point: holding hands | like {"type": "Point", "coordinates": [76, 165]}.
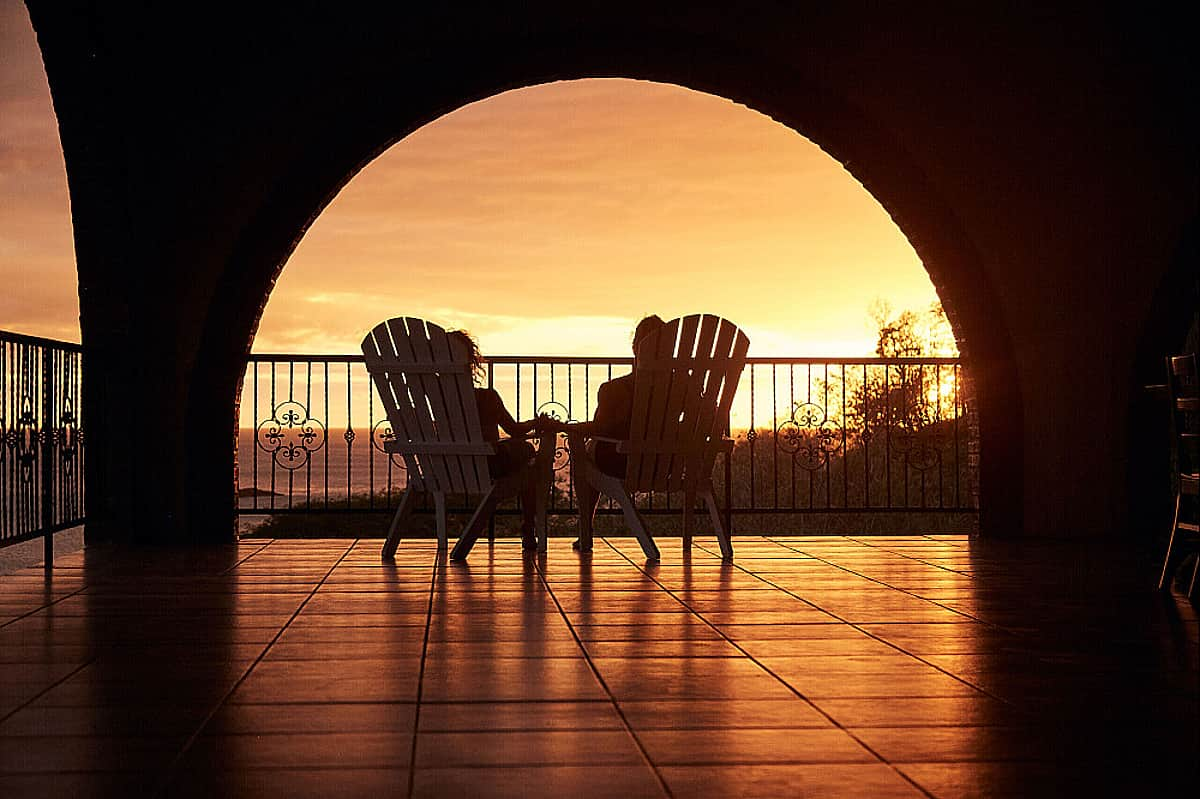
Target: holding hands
{"type": "Point", "coordinates": [545, 423]}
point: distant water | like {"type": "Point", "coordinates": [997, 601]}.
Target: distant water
{"type": "Point", "coordinates": [336, 469]}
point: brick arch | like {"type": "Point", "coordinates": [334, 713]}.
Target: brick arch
{"type": "Point", "coordinates": [370, 123]}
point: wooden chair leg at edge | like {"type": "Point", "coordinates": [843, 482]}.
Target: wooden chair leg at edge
{"type": "Point", "coordinates": [474, 527]}
{"type": "Point", "coordinates": [540, 527]}
{"type": "Point", "coordinates": [614, 488]}
{"type": "Point", "coordinates": [439, 504]}
{"type": "Point", "coordinates": [718, 526]}
{"type": "Point", "coordinates": [393, 537]}
{"type": "Point", "coordinates": [1195, 573]}
{"type": "Point", "coordinates": [587, 497]}
{"type": "Point", "coordinates": [543, 481]}
{"type": "Point", "coordinates": [1165, 576]}
{"type": "Point", "coordinates": [689, 505]}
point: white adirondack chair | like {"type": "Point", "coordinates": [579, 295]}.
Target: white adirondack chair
{"type": "Point", "coordinates": [685, 376]}
{"type": "Point", "coordinates": [424, 381]}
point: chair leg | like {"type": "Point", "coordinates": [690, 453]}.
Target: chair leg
{"type": "Point", "coordinates": [393, 537]}
{"type": "Point", "coordinates": [475, 526]}
{"type": "Point", "coordinates": [718, 526]}
{"type": "Point", "coordinates": [541, 489]}
{"type": "Point", "coordinates": [1165, 576]}
{"type": "Point", "coordinates": [689, 504]}
{"type": "Point", "coordinates": [1195, 572]}
{"type": "Point", "coordinates": [588, 500]}
{"type": "Point", "coordinates": [633, 518]}
{"type": "Point", "coordinates": [543, 481]}
{"type": "Point", "coordinates": [439, 505]}
{"type": "Point", "coordinates": [587, 497]}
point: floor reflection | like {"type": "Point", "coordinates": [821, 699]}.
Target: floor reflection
{"type": "Point", "coordinates": [886, 666]}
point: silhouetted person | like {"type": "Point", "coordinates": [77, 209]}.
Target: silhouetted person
{"type": "Point", "coordinates": [614, 409]}
{"type": "Point", "coordinates": [513, 453]}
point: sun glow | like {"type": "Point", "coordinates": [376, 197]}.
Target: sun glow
{"type": "Point", "coordinates": [548, 220]}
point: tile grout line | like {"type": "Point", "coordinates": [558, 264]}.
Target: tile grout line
{"type": "Point", "coordinates": [862, 541]}
{"type": "Point", "coordinates": [758, 663]}
{"type": "Point", "coordinates": [47, 689]}
{"type": "Point", "coordinates": [662, 783]}
{"type": "Point", "coordinates": [868, 633]}
{"type": "Point", "coordinates": [89, 661]}
{"type": "Point", "coordinates": [169, 772]}
{"type": "Point", "coordinates": [39, 609]}
{"type": "Point", "coordinates": [889, 586]}
{"type": "Point", "coordinates": [412, 754]}
{"type": "Point", "coordinates": [252, 554]}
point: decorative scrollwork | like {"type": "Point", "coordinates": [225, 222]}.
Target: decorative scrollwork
{"type": "Point", "coordinates": [809, 436]}
{"type": "Point", "coordinates": [381, 434]}
{"type": "Point", "coordinates": [68, 437]}
{"type": "Point", "coordinates": [290, 436]}
{"type": "Point", "coordinates": [559, 413]}
{"type": "Point", "coordinates": [555, 410]}
{"type": "Point", "coordinates": [28, 437]}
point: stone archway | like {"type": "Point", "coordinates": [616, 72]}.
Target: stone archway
{"type": "Point", "coordinates": [866, 148]}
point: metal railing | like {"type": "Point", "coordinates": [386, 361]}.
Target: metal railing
{"type": "Point", "coordinates": [856, 436]}
{"type": "Point", "coordinates": [41, 439]}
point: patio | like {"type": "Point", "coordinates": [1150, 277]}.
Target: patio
{"type": "Point", "coordinates": [908, 666]}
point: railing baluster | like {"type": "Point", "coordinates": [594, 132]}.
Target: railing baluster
{"type": "Point", "coordinates": [914, 428]}
{"type": "Point", "coordinates": [41, 454]}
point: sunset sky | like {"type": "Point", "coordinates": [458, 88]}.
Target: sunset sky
{"type": "Point", "coordinates": [545, 220]}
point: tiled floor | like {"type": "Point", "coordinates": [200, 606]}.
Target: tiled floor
{"type": "Point", "coordinates": [916, 666]}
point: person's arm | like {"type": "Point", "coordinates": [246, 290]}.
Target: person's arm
{"type": "Point", "coordinates": [601, 423]}
{"type": "Point", "coordinates": [507, 423]}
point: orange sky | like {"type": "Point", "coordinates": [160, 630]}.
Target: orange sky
{"type": "Point", "coordinates": [545, 220]}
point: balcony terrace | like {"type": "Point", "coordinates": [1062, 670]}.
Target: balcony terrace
{"type": "Point", "coordinates": [887, 666]}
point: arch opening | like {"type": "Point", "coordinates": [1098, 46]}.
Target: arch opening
{"type": "Point", "coordinates": [488, 227]}
{"type": "Point", "coordinates": [37, 252]}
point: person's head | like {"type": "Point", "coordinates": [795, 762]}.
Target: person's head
{"type": "Point", "coordinates": [474, 357]}
{"type": "Point", "coordinates": [648, 326]}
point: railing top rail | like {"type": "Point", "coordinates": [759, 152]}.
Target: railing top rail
{"type": "Point", "coordinates": [21, 338]}
{"type": "Point", "coordinates": [258, 357]}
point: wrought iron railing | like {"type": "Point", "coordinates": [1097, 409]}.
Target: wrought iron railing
{"type": "Point", "coordinates": [41, 438]}
{"type": "Point", "coordinates": [814, 436]}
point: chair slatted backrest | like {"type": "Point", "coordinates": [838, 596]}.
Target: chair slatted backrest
{"type": "Point", "coordinates": [1183, 388]}
{"type": "Point", "coordinates": [424, 382]}
{"type": "Point", "coordinates": [685, 376]}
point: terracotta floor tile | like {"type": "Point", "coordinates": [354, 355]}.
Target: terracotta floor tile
{"type": "Point", "coordinates": [664, 714]}
{"type": "Point", "coordinates": [943, 711]}
{"type": "Point", "coordinates": [762, 781]}
{"type": "Point", "coordinates": [78, 785]}
{"type": "Point", "coordinates": [558, 747]}
{"type": "Point", "coordinates": [631, 781]}
{"type": "Point", "coordinates": [510, 679]}
{"type": "Point", "coordinates": [685, 678]}
{"type": "Point", "coordinates": [294, 783]}
{"type": "Point", "coordinates": [381, 750]}
{"type": "Point", "coordinates": [712, 746]}
{"type": "Point", "coordinates": [525, 716]}
{"type": "Point", "coordinates": [354, 717]}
